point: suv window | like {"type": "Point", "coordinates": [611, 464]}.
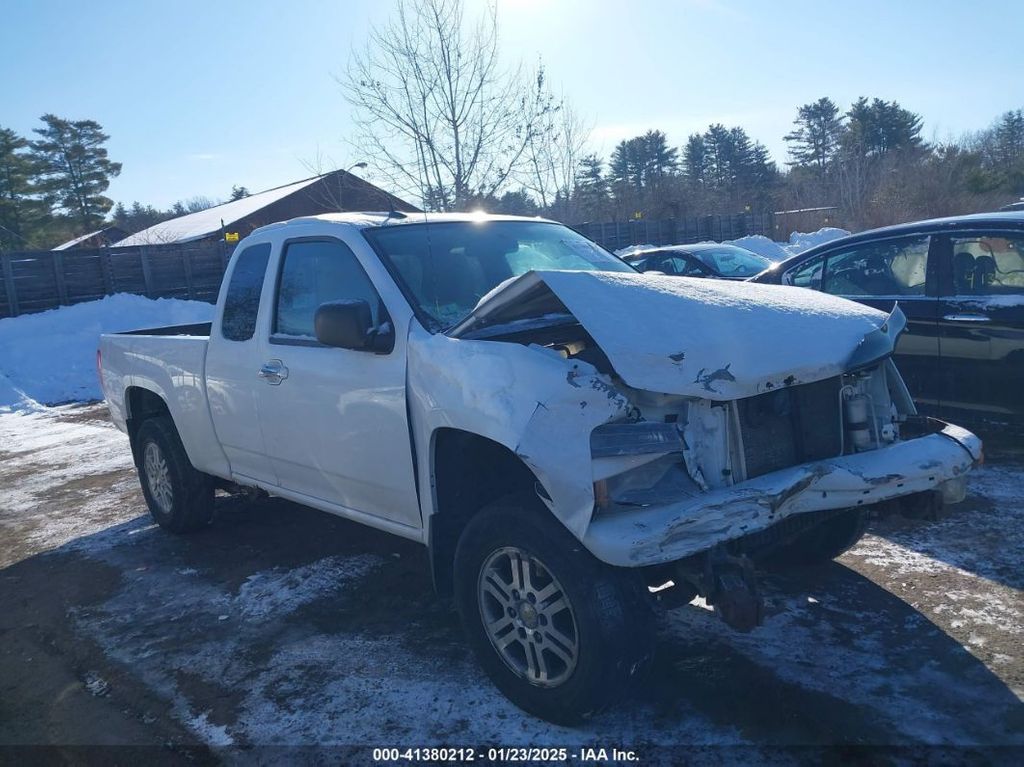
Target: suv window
{"type": "Point", "coordinates": [314, 272]}
{"type": "Point", "coordinates": [883, 268]}
{"type": "Point", "coordinates": [988, 265]}
{"type": "Point", "coordinates": [242, 303]}
{"type": "Point", "coordinates": [886, 268]}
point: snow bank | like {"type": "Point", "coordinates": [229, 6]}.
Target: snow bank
{"type": "Point", "coordinates": [763, 246]}
{"type": "Point", "coordinates": [801, 241]}
{"type": "Point", "coordinates": [630, 249]}
{"type": "Point", "coordinates": [50, 357]}
{"type": "Point", "coordinates": [758, 243]}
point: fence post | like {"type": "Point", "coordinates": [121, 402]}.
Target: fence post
{"type": "Point", "coordinates": [186, 262]}
{"type": "Point", "coordinates": [147, 275]}
{"type": "Point", "coordinates": [58, 273]}
{"type": "Point", "coordinates": [108, 272]}
{"type": "Point", "coordinates": [12, 294]}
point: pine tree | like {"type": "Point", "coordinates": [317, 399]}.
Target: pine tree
{"type": "Point", "coordinates": [74, 169]}
{"type": "Point", "coordinates": [815, 140]}
{"type": "Point", "coordinates": [22, 212]}
{"type": "Point", "coordinates": [880, 127]}
{"type": "Point", "coordinates": [238, 192]}
{"type": "Point", "coordinates": [695, 160]}
{"type": "Point", "coordinates": [591, 187]}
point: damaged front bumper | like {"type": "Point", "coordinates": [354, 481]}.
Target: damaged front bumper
{"type": "Point", "coordinates": [664, 533]}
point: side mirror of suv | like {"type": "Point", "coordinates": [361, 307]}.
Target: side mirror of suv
{"type": "Point", "coordinates": [348, 324]}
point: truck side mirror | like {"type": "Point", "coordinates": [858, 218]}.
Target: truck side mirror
{"type": "Point", "coordinates": [348, 324]}
{"type": "Point", "coordinates": [344, 324]}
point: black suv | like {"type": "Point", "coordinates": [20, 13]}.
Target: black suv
{"type": "Point", "coordinates": [960, 282]}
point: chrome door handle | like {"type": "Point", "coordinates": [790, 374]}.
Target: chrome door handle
{"type": "Point", "coordinates": [273, 372]}
{"type": "Point", "coordinates": [966, 318]}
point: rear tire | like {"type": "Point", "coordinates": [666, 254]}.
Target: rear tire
{"type": "Point", "coordinates": [180, 499]}
{"type": "Point", "coordinates": [561, 634]}
{"type": "Point", "coordinates": [822, 543]}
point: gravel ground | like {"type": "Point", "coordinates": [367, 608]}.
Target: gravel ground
{"type": "Point", "coordinates": [284, 627]}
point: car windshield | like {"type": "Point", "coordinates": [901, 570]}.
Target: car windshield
{"type": "Point", "coordinates": [448, 267]}
{"type": "Point", "coordinates": [730, 261]}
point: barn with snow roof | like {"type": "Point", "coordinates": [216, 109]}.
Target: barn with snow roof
{"type": "Point", "coordinates": [231, 221]}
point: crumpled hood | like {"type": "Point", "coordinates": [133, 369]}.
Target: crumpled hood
{"type": "Point", "coordinates": [698, 337]}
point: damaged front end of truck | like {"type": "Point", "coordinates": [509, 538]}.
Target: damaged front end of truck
{"type": "Point", "coordinates": [678, 425]}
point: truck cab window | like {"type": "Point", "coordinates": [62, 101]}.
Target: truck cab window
{"type": "Point", "coordinates": [314, 272]}
{"type": "Point", "coordinates": [242, 302]}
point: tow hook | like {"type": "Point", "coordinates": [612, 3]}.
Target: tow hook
{"type": "Point", "coordinates": [730, 586]}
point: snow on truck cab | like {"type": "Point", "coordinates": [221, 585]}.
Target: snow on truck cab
{"type": "Point", "coordinates": [566, 435]}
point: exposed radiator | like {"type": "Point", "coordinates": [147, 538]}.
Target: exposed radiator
{"type": "Point", "coordinates": [790, 426]}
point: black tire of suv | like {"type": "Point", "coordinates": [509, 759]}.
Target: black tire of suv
{"type": "Point", "coordinates": [822, 543]}
{"type": "Point", "coordinates": [191, 492]}
{"type": "Point", "coordinates": [614, 617]}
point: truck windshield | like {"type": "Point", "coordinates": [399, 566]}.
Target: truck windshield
{"type": "Point", "coordinates": [448, 267]}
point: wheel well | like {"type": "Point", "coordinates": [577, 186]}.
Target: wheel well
{"type": "Point", "coordinates": [142, 404]}
{"type": "Point", "coordinates": [470, 472]}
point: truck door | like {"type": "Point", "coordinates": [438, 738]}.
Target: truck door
{"type": "Point", "coordinates": [232, 360]}
{"type": "Point", "coordinates": [335, 419]}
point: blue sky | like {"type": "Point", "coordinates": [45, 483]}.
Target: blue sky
{"type": "Point", "coordinates": [197, 96]}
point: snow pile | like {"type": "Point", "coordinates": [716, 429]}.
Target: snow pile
{"type": "Point", "coordinates": [758, 243]}
{"type": "Point", "coordinates": [631, 249]}
{"type": "Point", "coordinates": [50, 357]}
{"type": "Point", "coordinates": [801, 241]}
{"type": "Point", "coordinates": [763, 246]}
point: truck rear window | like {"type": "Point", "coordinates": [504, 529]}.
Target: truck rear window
{"type": "Point", "coordinates": [242, 302]}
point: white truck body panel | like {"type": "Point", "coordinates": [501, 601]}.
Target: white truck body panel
{"type": "Point", "coordinates": [352, 432]}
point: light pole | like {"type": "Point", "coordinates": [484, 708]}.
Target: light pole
{"type": "Point", "coordinates": [341, 194]}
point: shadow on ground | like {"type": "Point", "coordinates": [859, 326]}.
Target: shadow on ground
{"type": "Point", "coordinates": [284, 626]}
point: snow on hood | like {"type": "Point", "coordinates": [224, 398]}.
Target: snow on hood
{"type": "Point", "coordinates": [695, 337]}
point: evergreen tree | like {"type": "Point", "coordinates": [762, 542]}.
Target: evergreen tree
{"type": "Point", "coordinates": [22, 213]}
{"type": "Point", "coordinates": [591, 187]}
{"type": "Point", "coordinates": [238, 192]}
{"type": "Point", "coordinates": [695, 160]}
{"type": "Point", "coordinates": [642, 161]}
{"type": "Point", "coordinates": [815, 140]}
{"type": "Point", "coordinates": [880, 127]}
{"type": "Point", "coordinates": [74, 170]}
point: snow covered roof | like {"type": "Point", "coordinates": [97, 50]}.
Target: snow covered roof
{"type": "Point", "coordinates": [77, 240]}
{"type": "Point", "coordinates": [203, 223]}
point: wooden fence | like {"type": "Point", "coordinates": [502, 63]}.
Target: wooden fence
{"type": "Point", "coordinates": [34, 281]}
{"type": "Point", "coordinates": [678, 231]}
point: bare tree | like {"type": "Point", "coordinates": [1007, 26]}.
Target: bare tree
{"type": "Point", "coordinates": [435, 113]}
{"type": "Point", "coordinates": [553, 151]}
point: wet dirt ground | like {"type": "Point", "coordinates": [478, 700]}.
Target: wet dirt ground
{"type": "Point", "coordinates": [280, 628]}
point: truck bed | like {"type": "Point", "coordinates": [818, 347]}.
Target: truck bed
{"type": "Point", "coordinates": [198, 329]}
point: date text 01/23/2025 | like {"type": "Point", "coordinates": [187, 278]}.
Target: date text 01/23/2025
{"type": "Point", "coordinates": [504, 754]}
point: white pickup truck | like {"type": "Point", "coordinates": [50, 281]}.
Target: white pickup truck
{"type": "Point", "coordinates": [574, 441]}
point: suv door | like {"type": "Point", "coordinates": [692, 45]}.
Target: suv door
{"type": "Point", "coordinates": [882, 273]}
{"type": "Point", "coordinates": [335, 419]}
{"type": "Point", "coordinates": [981, 323]}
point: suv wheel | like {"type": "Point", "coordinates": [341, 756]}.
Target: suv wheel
{"type": "Point", "coordinates": [561, 634]}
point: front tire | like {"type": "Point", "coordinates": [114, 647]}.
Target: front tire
{"type": "Point", "coordinates": [561, 634]}
{"type": "Point", "coordinates": [180, 499]}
